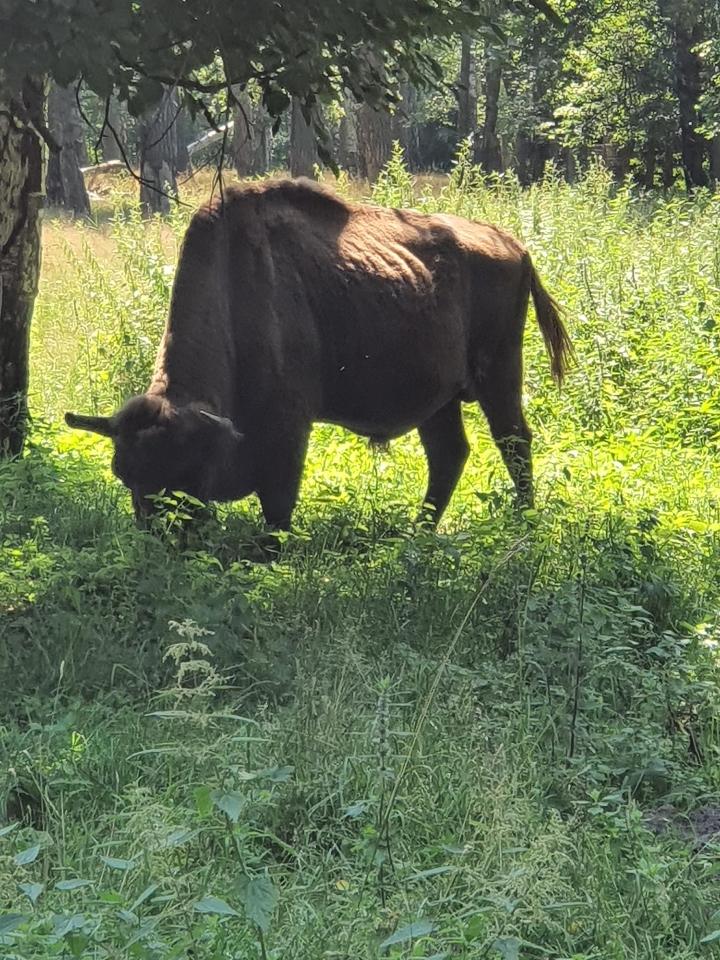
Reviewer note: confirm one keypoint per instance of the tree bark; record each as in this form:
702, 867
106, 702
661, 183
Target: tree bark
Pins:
467, 90
65, 184
21, 196
348, 136
649, 163
251, 136
542, 152
523, 157
184, 135
303, 147
374, 132
405, 129
157, 152
263, 139
689, 89
668, 165
490, 154
110, 148
570, 164
715, 160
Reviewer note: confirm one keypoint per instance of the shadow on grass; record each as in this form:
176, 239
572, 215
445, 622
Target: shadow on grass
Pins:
86, 600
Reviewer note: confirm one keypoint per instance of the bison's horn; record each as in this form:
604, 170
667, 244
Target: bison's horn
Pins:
224, 422
102, 425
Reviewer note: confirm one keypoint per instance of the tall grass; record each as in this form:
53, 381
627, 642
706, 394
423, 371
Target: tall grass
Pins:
386, 743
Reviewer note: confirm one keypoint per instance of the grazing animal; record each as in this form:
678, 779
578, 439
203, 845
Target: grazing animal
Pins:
292, 305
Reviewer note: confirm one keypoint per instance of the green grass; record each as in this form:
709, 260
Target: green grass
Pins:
448, 744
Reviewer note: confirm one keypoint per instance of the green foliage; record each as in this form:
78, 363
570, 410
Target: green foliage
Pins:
618, 77
395, 186
385, 743
302, 48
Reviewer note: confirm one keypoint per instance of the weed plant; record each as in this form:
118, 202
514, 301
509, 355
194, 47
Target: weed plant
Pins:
386, 743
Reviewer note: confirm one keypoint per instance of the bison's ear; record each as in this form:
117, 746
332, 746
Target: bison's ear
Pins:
102, 425
224, 423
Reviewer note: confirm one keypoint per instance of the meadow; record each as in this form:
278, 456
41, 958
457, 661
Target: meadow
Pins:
497, 741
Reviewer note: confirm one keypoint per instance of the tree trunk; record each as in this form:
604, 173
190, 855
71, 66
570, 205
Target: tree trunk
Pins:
374, 132
467, 90
715, 160
21, 196
110, 148
570, 163
184, 135
649, 163
668, 165
689, 88
303, 146
624, 156
243, 143
490, 154
405, 128
263, 139
251, 136
523, 158
157, 152
348, 136
65, 184
540, 153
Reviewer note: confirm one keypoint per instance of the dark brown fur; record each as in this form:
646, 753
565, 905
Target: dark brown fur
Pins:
292, 306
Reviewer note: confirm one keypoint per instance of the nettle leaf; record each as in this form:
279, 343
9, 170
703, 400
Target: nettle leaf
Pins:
278, 774
230, 804
32, 891
273, 774
65, 925
203, 800
110, 896
259, 897
75, 884
25, 857
711, 937
115, 863
145, 895
178, 837
507, 947
421, 928
127, 916
10, 922
215, 906
4, 831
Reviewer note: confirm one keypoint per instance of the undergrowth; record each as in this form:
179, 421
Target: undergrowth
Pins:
386, 743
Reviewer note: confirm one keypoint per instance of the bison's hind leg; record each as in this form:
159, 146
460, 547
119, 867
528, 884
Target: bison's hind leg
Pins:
446, 448
501, 402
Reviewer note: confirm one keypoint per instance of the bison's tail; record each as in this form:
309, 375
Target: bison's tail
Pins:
557, 340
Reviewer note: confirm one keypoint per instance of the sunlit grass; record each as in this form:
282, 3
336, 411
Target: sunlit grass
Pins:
451, 740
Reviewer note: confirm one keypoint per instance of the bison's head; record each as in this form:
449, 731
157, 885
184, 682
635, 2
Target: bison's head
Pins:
162, 447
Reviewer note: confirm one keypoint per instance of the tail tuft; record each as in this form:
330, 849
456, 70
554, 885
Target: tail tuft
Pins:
557, 340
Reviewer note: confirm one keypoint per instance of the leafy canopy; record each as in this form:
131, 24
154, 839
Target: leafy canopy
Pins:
303, 48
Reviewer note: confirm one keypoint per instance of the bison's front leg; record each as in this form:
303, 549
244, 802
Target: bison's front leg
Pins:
280, 472
447, 449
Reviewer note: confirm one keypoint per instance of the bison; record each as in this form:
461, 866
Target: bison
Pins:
292, 305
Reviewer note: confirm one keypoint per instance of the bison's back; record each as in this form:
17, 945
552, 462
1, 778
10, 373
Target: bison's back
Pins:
372, 318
